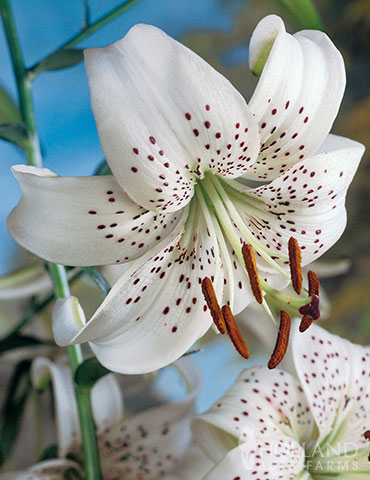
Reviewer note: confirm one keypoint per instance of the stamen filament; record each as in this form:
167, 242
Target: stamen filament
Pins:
234, 332
251, 266
220, 240
282, 341
244, 230
212, 303
295, 262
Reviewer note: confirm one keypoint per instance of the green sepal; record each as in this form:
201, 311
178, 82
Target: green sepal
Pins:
63, 58
301, 14
98, 278
9, 112
89, 372
103, 169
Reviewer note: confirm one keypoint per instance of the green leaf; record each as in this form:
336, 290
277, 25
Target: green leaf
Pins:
63, 58
16, 340
89, 372
49, 453
9, 113
98, 278
14, 133
103, 169
13, 408
301, 14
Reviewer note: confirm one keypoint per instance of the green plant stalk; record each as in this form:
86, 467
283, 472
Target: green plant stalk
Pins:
91, 452
32, 147
58, 272
90, 29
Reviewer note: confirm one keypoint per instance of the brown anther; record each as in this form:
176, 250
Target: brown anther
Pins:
313, 284
251, 266
305, 324
367, 435
282, 341
295, 262
234, 332
212, 303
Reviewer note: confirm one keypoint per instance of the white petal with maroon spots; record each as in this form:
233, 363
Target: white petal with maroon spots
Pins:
335, 375
150, 444
156, 311
297, 97
307, 202
165, 117
260, 404
82, 221
272, 458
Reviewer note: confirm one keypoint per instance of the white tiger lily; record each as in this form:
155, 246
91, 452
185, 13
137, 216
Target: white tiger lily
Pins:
307, 424
147, 445
179, 138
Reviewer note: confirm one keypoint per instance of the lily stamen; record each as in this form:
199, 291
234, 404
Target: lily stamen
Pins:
305, 324
282, 341
213, 305
234, 332
295, 262
313, 283
251, 266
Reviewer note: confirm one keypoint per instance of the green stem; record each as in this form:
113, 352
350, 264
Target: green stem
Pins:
91, 452
58, 272
32, 148
90, 29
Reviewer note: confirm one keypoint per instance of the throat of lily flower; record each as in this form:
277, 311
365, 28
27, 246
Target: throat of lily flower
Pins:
225, 226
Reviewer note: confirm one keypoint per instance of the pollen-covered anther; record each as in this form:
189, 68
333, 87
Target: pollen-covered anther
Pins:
295, 263
312, 309
212, 303
251, 266
234, 332
282, 341
305, 324
313, 284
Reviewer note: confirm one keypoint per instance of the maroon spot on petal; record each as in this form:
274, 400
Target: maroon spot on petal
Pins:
134, 169
129, 300
111, 199
113, 225
92, 212
287, 105
218, 135
101, 227
274, 111
196, 132
109, 192
263, 125
161, 153
174, 329
118, 212
207, 124
135, 150
151, 158
237, 125
301, 109
208, 108
187, 116
152, 140
109, 236
166, 310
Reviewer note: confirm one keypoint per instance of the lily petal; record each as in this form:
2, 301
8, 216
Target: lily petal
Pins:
165, 117
156, 311
271, 458
335, 376
194, 464
297, 97
261, 404
82, 220
307, 202
152, 442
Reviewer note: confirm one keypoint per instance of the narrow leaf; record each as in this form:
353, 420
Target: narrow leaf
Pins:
13, 407
16, 340
63, 58
89, 372
98, 278
14, 133
301, 14
8, 111
103, 169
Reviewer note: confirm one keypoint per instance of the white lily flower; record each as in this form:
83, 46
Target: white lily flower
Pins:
149, 444
307, 424
178, 138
